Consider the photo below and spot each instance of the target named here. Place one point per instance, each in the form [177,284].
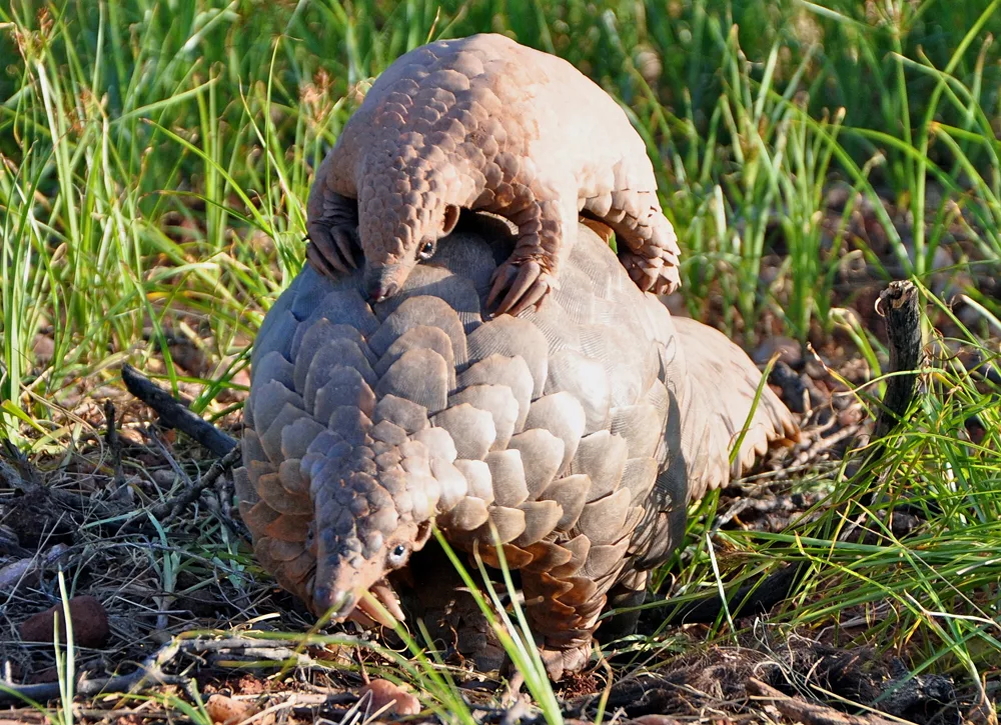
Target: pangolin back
[580,431]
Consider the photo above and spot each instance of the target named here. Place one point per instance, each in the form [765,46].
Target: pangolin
[580,430]
[485,123]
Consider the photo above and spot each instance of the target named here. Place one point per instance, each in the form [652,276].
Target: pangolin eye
[398,555]
[426,250]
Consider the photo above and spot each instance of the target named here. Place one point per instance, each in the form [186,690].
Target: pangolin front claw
[330,250]
[526,282]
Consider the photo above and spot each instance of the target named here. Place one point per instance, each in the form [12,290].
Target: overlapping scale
[577,432]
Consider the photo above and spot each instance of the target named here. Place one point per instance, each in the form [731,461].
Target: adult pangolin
[580,430]
[485,123]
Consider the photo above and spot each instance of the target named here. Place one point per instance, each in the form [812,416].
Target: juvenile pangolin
[485,123]
[581,430]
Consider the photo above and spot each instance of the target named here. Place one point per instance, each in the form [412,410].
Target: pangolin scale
[580,430]
[485,123]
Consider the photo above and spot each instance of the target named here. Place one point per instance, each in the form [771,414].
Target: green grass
[159,161]
[155,157]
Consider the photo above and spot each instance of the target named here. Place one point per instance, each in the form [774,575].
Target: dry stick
[174,414]
[113,441]
[150,672]
[809,713]
[168,510]
[898,305]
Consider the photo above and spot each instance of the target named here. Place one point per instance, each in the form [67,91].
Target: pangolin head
[398,231]
[374,504]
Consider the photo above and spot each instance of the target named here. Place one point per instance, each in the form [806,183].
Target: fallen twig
[810,713]
[168,510]
[175,414]
[113,441]
[151,672]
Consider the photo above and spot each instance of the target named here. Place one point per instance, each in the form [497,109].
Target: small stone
[10,545]
[490,657]
[24,572]
[88,616]
[789,351]
[384,692]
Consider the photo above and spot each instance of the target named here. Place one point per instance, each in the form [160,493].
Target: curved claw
[527,285]
[640,270]
[662,286]
[649,275]
[501,278]
[532,297]
[320,263]
[370,611]
[329,250]
[367,615]
[361,619]
[344,241]
[382,591]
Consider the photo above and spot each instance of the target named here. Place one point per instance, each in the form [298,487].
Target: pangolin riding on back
[485,123]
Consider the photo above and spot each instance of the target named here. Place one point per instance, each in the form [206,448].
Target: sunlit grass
[156,162]
[155,159]
[931,596]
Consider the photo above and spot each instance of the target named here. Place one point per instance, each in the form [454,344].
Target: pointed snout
[328,599]
[381,283]
[380,291]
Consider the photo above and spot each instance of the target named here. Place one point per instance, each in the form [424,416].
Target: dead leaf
[385,693]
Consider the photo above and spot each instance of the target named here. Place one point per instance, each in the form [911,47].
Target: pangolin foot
[559,662]
[526,282]
[330,249]
[650,275]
